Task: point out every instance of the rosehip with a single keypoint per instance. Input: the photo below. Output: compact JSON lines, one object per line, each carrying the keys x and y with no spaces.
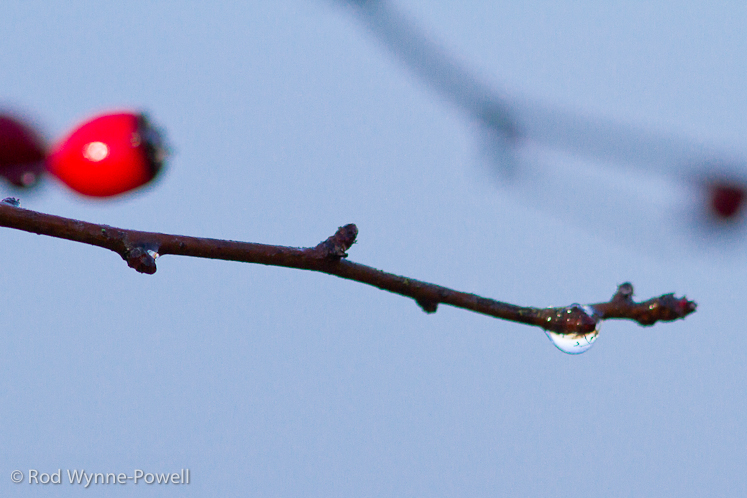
{"x":109,"y":155}
{"x":22,"y":152}
{"x":726,"y":199}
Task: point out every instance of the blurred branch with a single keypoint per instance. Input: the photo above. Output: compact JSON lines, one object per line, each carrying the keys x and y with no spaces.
{"x":140,"y":250}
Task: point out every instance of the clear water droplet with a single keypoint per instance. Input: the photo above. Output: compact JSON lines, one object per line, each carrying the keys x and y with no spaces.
{"x":575,"y":343}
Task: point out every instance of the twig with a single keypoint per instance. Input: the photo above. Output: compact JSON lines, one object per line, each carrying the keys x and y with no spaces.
{"x":140,"y":250}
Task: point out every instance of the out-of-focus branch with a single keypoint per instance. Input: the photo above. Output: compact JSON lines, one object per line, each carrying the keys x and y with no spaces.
{"x":140,"y":250}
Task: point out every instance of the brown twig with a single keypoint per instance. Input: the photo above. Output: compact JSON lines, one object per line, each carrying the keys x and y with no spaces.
{"x":140,"y":250}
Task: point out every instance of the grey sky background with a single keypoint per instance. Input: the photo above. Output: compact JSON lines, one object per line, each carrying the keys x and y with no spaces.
{"x":288,"y":120}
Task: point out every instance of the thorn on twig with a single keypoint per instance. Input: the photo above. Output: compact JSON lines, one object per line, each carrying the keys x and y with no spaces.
{"x":428,"y":306}
{"x":337,"y":245}
{"x":142,"y":260}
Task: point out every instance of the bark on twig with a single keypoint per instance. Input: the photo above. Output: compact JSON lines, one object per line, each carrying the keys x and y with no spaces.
{"x":140,"y":250}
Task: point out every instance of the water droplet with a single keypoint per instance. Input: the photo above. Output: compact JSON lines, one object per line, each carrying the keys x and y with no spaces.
{"x":573,"y":343}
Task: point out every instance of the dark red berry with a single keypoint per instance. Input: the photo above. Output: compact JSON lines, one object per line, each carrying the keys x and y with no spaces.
{"x":22,"y":152}
{"x":726,"y":199}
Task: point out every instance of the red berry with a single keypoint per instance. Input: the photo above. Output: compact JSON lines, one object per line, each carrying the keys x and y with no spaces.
{"x":726,"y":199}
{"x":109,"y":155}
{"x":22,"y":152}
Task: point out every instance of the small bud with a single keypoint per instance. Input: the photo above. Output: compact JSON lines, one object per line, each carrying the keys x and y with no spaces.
{"x":142,"y":260}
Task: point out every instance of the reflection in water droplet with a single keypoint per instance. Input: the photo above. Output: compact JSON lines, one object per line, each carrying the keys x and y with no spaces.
{"x":575,"y":343}
{"x":572,"y":343}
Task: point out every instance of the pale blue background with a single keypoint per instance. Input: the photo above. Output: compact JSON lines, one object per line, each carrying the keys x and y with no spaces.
{"x":289,"y":120}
